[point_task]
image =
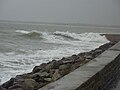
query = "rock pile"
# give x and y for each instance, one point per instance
(52, 71)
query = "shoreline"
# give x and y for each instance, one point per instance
(49, 72)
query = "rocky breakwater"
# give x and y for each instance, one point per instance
(52, 71)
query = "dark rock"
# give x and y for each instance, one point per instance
(1, 88)
(39, 68)
(98, 51)
(42, 80)
(63, 70)
(82, 54)
(51, 72)
(64, 59)
(38, 78)
(25, 76)
(74, 57)
(36, 69)
(30, 84)
(8, 83)
(19, 77)
(48, 79)
(40, 74)
(89, 57)
(16, 87)
(56, 75)
(63, 67)
(44, 74)
(53, 65)
(60, 62)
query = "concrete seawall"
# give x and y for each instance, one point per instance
(97, 74)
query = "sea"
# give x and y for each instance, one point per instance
(24, 45)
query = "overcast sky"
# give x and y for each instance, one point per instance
(103, 12)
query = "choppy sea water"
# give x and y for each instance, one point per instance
(24, 46)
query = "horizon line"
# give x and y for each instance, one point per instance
(61, 23)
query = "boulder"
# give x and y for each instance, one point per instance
(44, 74)
(17, 87)
(8, 83)
(39, 68)
(48, 79)
(37, 77)
(63, 70)
(40, 74)
(30, 84)
(56, 75)
(1, 88)
(53, 65)
(51, 72)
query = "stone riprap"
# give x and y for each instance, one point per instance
(49, 72)
(98, 74)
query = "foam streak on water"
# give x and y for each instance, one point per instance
(30, 48)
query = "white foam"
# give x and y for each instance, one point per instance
(22, 31)
(78, 38)
(83, 37)
(24, 62)
(28, 32)
(68, 34)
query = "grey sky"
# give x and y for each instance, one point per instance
(103, 12)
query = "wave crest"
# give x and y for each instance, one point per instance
(67, 35)
(74, 38)
(63, 37)
(34, 34)
(81, 37)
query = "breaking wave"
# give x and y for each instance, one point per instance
(67, 35)
(34, 34)
(63, 37)
(82, 37)
(22, 55)
(28, 32)
(74, 38)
